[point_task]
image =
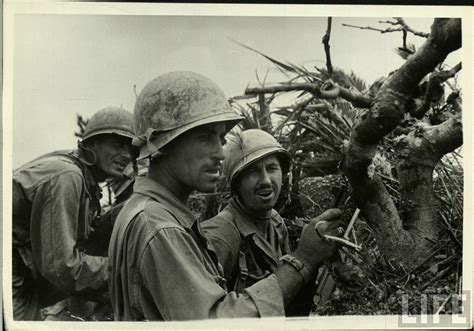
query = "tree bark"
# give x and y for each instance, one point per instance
(404, 242)
(264, 114)
(418, 153)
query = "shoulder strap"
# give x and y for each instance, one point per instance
(126, 216)
(240, 282)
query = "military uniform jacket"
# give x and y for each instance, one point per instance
(246, 255)
(162, 267)
(55, 199)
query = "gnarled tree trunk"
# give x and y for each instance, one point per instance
(404, 238)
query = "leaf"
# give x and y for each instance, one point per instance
(278, 63)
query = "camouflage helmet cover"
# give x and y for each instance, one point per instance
(174, 103)
(249, 146)
(110, 120)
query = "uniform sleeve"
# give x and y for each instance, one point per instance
(54, 226)
(225, 240)
(183, 288)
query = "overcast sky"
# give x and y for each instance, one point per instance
(68, 64)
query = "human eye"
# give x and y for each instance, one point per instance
(204, 136)
(223, 141)
(273, 167)
(116, 143)
(254, 170)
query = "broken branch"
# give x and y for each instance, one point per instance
(404, 39)
(264, 114)
(309, 87)
(436, 79)
(328, 90)
(326, 38)
(351, 223)
(442, 274)
(442, 305)
(343, 242)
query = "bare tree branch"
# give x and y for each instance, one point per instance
(328, 90)
(389, 105)
(436, 79)
(389, 22)
(373, 29)
(447, 136)
(401, 22)
(326, 38)
(309, 87)
(81, 123)
(404, 39)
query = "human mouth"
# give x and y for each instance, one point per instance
(213, 173)
(121, 165)
(265, 194)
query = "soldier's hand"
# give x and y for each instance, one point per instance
(313, 249)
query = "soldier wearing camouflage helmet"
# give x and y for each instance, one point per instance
(55, 204)
(162, 266)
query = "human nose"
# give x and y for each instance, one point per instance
(264, 177)
(126, 152)
(218, 151)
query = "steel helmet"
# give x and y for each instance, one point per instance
(174, 103)
(249, 146)
(110, 120)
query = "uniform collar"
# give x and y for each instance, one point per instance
(92, 186)
(246, 226)
(156, 191)
(183, 215)
(245, 221)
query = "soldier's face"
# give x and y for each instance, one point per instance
(195, 157)
(113, 154)
(259, 184)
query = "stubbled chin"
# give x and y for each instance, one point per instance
(116, 173)
(208, 188)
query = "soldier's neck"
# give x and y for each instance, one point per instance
(98, 175)
(259, 216)
(162, 176)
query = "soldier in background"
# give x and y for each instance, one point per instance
(120, 190)
(55, 205)
(249, 236)
(162, 266)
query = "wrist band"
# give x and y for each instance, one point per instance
(298, 265)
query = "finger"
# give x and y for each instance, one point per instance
(335, 232)
(322, 227)
(335, 224)
(320, 224)
(329, 215)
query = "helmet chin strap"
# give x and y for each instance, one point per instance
(87, 154)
